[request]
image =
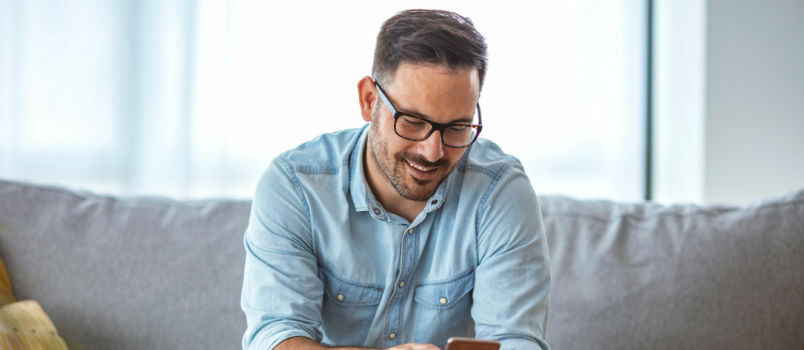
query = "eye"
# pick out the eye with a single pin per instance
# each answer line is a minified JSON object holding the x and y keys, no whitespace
{"x":413,"y":121}
{"x":458,"y":128}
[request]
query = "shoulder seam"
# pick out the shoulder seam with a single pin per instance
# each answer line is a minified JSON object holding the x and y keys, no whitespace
{"x":297,"y":186}
{"x":486,"y":171}
{"x":481,"y":207}
{"x":309,"y":170}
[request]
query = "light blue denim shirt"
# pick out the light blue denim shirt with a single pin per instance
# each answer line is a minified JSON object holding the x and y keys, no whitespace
{"x":325,"y":260}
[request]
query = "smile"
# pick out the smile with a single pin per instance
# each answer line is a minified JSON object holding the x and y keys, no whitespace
{"x":420,"y":168}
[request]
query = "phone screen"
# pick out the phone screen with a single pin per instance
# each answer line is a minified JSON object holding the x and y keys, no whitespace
{"x":456,"y":343}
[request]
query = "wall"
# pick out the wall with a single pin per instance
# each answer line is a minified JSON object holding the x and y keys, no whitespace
{"x":754,"y":129}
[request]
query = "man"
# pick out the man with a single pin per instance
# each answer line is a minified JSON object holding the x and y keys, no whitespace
{"x":407,"y":231}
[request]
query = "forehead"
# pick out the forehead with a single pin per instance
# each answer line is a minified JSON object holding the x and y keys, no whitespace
{"x":436,"y":91}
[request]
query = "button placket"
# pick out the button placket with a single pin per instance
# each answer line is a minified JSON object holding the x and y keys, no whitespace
{"x":407,"y":259}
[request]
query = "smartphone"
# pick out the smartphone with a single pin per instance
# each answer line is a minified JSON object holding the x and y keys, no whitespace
{"x":457,"y":343}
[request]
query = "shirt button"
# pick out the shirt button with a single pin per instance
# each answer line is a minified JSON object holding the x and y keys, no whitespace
{"x":443,"y":301}
{"x":434,"y":202}
{"x":410,"y":230}
{"x":401,"y":284}
{"x":376,"y":211}
{"x":392,"y":336}
{"x":340,"y":297}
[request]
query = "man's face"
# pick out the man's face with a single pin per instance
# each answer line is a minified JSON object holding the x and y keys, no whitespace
{"x":416,"y":168}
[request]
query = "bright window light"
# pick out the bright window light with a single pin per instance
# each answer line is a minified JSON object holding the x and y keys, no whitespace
{"x":195,"y":100}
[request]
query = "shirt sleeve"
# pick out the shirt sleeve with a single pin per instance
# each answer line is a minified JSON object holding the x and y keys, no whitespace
{"x":282,"y":292}
{"x":512,"y":279}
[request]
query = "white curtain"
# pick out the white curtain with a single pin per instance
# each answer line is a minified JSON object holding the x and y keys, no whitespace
{"x":194,"y":98}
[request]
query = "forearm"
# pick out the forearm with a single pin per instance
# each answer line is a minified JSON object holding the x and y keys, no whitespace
{"x":302,"y":343}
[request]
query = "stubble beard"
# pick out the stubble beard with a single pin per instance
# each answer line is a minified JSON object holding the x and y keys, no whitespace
{"x":393,"y":166}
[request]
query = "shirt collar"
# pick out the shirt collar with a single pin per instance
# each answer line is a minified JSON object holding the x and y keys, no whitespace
{"x":357,"y":179}
{"x":362,"y":197}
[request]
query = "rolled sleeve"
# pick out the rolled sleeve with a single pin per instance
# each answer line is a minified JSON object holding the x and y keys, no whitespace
{"x":282,"y":292}
{"x":512,"y":279}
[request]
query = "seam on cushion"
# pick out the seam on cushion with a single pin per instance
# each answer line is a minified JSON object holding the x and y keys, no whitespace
{"x":54,"y":188}
{"x":697,"y":212}
{"x":90,"y":195}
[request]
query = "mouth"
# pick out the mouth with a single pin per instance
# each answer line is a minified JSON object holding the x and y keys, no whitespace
{"x":421,"y":172}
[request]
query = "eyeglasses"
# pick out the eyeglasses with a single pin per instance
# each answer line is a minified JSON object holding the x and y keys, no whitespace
{"x":413,"y":127}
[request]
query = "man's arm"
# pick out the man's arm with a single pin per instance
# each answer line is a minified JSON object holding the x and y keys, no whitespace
{"x":282,"y":292}
{"x":301,"y":343}
{"x":512,"y":279}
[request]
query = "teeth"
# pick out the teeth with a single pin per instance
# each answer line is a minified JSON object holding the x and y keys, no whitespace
{"x":419,"y":168}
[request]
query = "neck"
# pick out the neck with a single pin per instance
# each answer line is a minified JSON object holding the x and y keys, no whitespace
{"x":385,"y":193}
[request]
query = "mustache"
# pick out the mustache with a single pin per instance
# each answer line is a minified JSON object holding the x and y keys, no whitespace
{"x":418,"y":159}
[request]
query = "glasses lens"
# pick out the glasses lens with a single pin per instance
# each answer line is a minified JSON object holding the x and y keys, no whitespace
{"x":458,"y":135}
{"x":418,"y":129}
{"x":412,"y":127}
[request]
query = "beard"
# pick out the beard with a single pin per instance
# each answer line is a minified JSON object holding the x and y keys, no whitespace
{"x":394,"y":167}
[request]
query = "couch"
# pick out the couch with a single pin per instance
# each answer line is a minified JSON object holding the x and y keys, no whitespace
{"x":157,"y":273}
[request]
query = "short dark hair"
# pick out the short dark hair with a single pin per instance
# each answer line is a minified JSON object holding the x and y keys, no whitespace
{"x":428,"y":36}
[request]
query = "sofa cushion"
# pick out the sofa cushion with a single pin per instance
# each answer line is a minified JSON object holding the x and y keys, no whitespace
{"x":645,"y":276}
{"x":131,"y":273}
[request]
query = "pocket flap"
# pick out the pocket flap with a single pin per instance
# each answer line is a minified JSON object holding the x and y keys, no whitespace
{"x":346,"y":292}
{"x":444,"y":294}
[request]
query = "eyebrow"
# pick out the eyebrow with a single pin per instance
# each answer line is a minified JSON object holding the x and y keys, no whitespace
{"x":467,"y":120}
{"x":423,"y":116}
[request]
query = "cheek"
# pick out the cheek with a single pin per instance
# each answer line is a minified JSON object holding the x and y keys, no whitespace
{"x":395,"y":145}
{"x":388,"y":143}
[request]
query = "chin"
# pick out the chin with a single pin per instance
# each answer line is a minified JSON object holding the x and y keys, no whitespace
{"x":419,"y":190}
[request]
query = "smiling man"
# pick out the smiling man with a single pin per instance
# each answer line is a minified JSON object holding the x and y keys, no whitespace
{"x":405,"y":232}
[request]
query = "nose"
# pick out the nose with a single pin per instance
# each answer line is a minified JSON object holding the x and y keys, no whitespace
{"x":431,"y":148}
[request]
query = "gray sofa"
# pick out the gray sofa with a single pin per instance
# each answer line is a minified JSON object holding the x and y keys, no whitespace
{"x":155,"y":273}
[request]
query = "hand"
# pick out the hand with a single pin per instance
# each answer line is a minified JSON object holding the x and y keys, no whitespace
{"x":414,"y":346}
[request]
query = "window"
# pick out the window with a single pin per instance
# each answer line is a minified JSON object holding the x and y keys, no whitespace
{"x":194,"y":100}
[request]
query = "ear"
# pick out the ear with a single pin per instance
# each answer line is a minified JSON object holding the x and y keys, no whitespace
{"x":367,"y":93}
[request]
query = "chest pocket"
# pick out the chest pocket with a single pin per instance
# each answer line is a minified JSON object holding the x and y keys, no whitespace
{"x":349,"y":307}
{"x":444,"y":306}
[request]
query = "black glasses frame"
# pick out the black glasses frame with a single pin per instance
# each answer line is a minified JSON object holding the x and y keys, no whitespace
{"x":433,"y":125}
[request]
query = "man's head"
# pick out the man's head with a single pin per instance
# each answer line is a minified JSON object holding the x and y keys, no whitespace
{"x":428,"y":36}
{"x":430,"y":64}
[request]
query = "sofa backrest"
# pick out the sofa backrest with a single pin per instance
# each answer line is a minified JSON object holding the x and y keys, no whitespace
{"x":140,"y":273}
{"x":644,"y":276}
{"x":155,"y":273}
